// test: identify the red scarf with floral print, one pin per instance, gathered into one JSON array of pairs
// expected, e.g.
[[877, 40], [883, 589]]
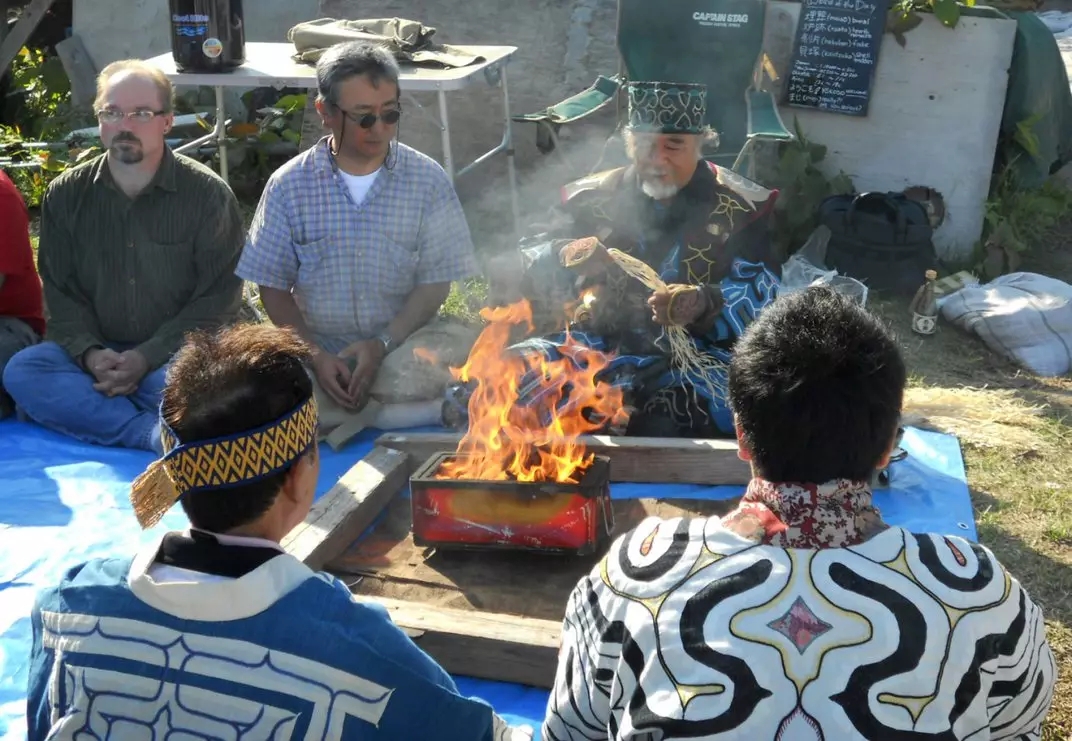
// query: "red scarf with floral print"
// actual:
[[836, 514]]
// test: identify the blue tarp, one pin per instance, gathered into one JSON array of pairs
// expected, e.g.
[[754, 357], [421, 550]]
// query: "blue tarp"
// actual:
[[62, 502]]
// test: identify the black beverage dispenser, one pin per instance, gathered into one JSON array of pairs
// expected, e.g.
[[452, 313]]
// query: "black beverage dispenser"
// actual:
[[207, 35]]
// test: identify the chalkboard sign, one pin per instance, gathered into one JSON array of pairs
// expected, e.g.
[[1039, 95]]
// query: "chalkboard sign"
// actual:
[[835, 55]]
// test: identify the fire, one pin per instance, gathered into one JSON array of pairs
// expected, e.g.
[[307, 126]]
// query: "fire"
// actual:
[[537, 441]]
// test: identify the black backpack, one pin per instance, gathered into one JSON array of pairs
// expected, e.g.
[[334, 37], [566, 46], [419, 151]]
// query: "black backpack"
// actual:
[[882, 239]]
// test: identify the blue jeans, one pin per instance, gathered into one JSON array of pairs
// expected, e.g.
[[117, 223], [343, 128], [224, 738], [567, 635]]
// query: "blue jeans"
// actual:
[[52, 390]]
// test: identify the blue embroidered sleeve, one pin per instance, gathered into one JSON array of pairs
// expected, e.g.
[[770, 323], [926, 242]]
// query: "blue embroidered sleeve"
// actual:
[[746, 291]]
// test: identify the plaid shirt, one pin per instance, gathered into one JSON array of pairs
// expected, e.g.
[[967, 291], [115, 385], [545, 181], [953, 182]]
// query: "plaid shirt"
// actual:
[[352, 267]]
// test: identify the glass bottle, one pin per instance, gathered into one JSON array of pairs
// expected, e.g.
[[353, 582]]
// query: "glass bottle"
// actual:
[[924, 306]]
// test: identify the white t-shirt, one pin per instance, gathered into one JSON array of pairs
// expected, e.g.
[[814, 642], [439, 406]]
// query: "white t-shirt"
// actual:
[[359, 185]]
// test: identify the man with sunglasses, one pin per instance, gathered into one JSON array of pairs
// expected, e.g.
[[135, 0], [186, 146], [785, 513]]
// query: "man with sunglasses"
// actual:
[[356, 241], [138, 247]]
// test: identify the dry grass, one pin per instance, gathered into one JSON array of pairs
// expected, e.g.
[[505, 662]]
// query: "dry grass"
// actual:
[[987, 417], [1016, 433]]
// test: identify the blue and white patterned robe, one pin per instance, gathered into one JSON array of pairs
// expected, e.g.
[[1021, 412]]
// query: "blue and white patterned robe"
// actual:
[[279, 653]]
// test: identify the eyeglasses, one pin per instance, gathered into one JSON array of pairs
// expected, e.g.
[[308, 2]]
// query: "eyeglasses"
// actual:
[[114, 115], [368, 120]]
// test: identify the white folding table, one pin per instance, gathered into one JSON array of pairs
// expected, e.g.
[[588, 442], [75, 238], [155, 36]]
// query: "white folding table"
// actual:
[[271, 64]]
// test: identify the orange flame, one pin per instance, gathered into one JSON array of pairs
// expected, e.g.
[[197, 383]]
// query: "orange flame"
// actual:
[[537, 442]]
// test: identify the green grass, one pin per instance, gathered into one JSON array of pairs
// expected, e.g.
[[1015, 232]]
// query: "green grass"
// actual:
[[465, 300]]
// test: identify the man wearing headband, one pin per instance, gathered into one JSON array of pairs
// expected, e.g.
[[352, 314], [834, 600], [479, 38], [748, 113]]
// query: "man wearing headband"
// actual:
[[701, 228], [355, 242], [216, 632]]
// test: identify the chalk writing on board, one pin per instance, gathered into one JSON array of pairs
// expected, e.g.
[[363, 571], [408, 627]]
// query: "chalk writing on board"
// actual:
[[834, 57]]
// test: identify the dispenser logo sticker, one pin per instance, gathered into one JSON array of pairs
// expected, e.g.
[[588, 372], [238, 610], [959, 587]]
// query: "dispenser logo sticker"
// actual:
[[190, 24], [212, 48]]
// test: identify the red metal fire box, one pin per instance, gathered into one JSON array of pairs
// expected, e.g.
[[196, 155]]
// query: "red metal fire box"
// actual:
[[520, 515]]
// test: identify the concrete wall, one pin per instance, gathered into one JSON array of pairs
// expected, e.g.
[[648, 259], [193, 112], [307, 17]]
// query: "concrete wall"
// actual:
[[933, 121]]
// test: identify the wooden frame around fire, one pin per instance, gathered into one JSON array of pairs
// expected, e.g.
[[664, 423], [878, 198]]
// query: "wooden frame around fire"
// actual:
[[507, 648]]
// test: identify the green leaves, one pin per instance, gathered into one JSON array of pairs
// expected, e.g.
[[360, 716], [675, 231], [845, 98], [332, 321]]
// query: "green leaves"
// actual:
[[40, 110], [802, 186], [841, 184], [54, 78], [1025, 134], [904, 15], [43, 92], [947, 11], [292, 103], [900, 20], [1017, 220], [793, 164]]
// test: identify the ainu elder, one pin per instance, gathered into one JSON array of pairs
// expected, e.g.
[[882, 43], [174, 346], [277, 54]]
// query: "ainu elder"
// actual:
[[216, 632], [704, 231]]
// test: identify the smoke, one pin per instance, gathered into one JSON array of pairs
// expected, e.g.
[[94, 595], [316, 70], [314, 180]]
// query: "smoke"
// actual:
[[475, 117], [582, 149]]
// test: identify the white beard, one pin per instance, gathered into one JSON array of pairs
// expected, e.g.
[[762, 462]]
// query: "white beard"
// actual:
[[658, 190]]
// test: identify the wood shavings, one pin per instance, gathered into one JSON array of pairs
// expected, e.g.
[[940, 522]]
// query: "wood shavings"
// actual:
[[683, 352]]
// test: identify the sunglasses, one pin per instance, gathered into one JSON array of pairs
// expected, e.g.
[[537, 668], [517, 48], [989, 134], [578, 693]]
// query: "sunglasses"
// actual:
[[368, 120]]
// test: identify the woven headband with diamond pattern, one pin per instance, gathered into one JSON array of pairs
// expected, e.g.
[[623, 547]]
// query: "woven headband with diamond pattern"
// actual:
[[222, 462]]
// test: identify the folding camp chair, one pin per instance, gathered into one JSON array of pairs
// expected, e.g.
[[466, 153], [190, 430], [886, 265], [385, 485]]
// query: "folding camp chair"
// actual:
[[715, 42]]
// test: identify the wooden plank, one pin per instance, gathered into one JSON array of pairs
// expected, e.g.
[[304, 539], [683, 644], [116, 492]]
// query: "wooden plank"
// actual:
[[536, 585], [349, 508], [643, 460], [81, 70], [20, 34], [504, 648]]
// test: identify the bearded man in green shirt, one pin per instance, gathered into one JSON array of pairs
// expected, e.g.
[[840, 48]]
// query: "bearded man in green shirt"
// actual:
[[138, 247]]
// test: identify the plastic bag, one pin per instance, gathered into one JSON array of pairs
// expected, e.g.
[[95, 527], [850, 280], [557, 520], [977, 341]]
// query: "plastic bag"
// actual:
[[807, 268]]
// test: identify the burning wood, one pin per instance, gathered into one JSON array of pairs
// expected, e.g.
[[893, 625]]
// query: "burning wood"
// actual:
[[534, 440]]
